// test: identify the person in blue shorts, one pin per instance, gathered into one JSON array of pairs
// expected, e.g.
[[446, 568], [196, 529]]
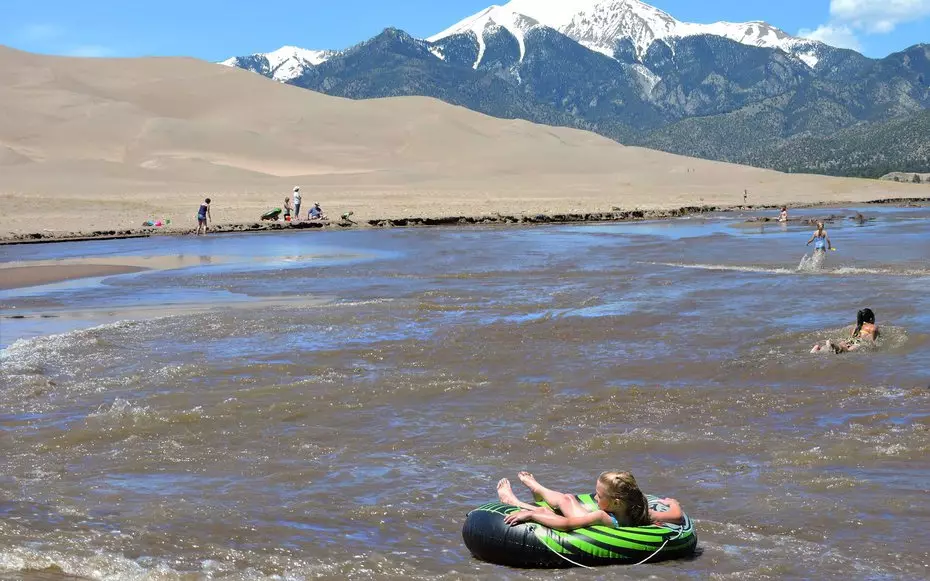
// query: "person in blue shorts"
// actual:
[[203, 215]]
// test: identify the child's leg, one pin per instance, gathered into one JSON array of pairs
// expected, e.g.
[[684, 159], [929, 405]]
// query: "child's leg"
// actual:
[[567, 504], [535, 487], [506, 495]]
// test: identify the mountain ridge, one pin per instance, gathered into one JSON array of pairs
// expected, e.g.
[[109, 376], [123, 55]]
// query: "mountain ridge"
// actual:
[[688, 92], [608, 28]]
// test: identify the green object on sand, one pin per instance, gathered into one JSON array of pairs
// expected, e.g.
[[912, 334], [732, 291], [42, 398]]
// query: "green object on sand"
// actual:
[[271, 214]]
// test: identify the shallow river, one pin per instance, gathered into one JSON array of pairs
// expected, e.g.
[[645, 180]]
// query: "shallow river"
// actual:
[[331, 404]]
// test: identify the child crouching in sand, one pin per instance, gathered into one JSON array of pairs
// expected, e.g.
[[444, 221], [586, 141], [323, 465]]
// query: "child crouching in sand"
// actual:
[[620, 502]]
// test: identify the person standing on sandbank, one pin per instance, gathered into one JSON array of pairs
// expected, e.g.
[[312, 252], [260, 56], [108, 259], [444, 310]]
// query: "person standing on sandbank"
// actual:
[[297, 202], [203, 216]]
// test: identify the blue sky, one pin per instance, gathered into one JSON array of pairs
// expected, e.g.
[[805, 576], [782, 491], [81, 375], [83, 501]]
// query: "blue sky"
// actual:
[[214, 30]]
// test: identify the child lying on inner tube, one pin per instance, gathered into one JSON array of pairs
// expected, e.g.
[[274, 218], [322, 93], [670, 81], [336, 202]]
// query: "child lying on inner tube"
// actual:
[[621, 504]]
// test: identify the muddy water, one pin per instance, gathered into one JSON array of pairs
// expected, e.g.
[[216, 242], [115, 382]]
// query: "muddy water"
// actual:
[[330, 405]]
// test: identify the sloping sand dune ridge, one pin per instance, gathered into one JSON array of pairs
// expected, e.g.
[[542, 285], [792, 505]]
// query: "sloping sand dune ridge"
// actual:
[[87, 144]]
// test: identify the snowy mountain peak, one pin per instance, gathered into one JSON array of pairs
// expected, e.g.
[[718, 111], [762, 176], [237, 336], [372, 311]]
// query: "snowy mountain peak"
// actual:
[[285, 53], [284, 64], [489, 20], [601, 24], [604, 22]]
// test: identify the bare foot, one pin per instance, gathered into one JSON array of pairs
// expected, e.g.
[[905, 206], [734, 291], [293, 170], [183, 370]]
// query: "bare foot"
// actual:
[[505, 492], [529, 481]]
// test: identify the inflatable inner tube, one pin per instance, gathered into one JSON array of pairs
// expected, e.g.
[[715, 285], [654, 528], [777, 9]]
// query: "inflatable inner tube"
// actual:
[[532, 545]]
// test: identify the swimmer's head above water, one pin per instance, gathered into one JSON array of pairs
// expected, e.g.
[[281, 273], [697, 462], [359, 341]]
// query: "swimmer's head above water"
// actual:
[[863, 316]]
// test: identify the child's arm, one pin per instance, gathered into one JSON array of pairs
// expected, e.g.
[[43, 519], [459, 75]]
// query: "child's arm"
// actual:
[[556, 521], [827, 236], [209, 216], [673, 514], [814, 235]]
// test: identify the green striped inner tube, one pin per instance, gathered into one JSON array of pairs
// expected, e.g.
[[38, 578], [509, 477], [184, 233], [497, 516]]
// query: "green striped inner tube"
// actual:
[[599, 545]]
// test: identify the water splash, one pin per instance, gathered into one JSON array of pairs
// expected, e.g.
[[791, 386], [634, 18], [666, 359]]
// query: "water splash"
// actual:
[[807, 265], [812, 262]]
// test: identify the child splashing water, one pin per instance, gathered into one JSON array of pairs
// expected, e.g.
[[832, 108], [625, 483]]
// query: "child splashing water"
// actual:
[[620, 504], [866, 332], [821, 244]]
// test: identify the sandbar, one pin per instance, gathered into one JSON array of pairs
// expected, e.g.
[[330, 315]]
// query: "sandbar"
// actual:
[[25, 276]]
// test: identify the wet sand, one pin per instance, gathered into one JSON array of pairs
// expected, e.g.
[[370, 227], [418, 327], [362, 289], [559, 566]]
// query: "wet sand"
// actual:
[[25, 276], [616, 214], [21, 274]]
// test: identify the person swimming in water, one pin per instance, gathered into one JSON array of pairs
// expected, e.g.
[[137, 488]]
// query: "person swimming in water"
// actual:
[[866, 331], [820, 239]]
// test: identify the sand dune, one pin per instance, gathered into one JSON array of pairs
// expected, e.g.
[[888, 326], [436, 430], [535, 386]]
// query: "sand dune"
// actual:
[[109, 143]]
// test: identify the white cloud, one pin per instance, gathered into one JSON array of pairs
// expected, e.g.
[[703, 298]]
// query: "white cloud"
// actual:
[[838, 36], [878, 16], [851, 17], [90, 51]]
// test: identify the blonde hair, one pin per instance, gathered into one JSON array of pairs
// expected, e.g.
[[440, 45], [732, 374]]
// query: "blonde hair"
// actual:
[[624, 498]]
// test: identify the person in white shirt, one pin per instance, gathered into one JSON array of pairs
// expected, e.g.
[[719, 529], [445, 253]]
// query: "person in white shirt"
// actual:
[[297, 203]]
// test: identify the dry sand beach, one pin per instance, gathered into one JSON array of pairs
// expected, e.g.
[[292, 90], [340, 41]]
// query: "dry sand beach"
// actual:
[[105, 144]]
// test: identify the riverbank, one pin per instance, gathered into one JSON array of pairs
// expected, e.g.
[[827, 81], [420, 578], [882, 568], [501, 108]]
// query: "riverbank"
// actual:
[[616, 214]]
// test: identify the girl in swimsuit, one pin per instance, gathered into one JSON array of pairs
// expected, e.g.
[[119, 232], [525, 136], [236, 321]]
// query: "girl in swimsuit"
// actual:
[[820, 239], [620, 504], [866, 330]]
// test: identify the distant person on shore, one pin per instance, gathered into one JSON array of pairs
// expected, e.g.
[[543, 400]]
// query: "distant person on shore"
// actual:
[[287, 208], [619, 500], [820, 239], [783, 216], [316, 213], [203, 216], [866, 331], [297, 202]]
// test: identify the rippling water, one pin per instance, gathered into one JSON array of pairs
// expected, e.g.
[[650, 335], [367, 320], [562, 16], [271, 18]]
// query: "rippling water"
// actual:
[[330, 405]]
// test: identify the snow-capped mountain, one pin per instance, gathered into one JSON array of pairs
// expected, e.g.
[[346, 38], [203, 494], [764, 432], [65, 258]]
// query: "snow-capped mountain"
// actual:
[[601, 24], [491, 20], [626, 70], [284, 64]]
